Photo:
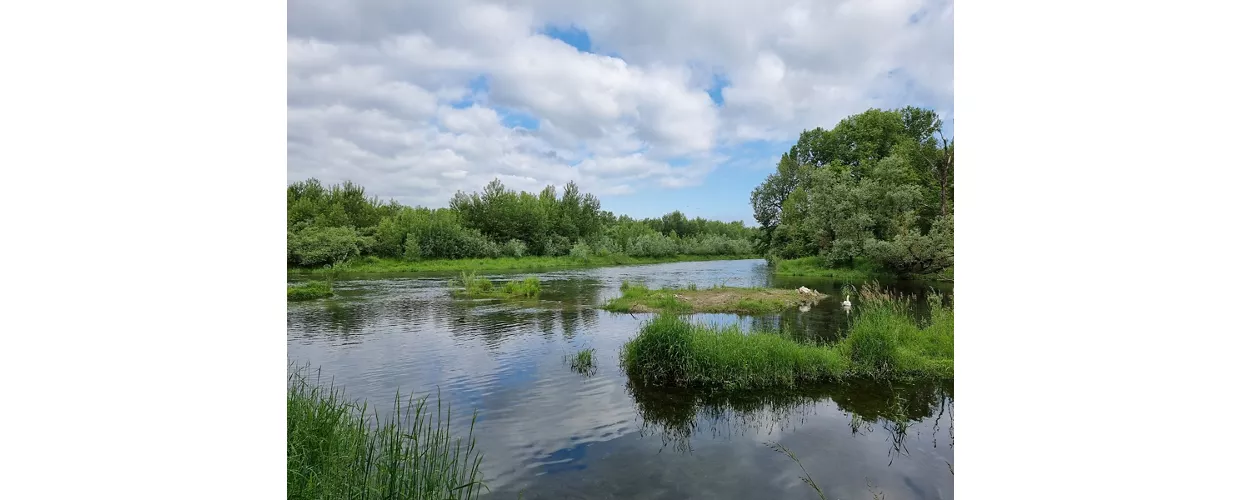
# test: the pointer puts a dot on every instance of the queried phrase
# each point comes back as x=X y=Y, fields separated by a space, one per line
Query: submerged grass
x=471 y=286
x=583 y=361
x=310 y=291
x=335 y=451
x=376 y=265
x=884 y=343
x=638 y=298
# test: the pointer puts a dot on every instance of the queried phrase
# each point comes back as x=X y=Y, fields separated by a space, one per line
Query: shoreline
x=384 y=266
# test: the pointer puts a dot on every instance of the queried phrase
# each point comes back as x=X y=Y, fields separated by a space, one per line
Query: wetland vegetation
x=884 y=343
x=638 y=298
x=337 y=449
x=469 y=285
x=310 y=290
x=868 y=199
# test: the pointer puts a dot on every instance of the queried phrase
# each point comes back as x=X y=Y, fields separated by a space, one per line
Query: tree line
x=329 y=225
x=875 y=191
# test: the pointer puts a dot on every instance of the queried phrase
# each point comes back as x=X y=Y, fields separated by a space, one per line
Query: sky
x=651 y=105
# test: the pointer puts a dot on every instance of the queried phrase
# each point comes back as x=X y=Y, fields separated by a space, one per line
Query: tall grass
x=470 y=285
x=884 y=342
x=310 y=291
x=335 y=451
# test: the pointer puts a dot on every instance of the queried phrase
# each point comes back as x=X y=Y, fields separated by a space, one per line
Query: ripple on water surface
x=548 y=431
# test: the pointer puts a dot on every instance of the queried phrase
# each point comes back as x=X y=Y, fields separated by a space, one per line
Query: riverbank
x=816 y=267
x=637 y=298
x=884 y=343
x=375 y=265
x=339 y=449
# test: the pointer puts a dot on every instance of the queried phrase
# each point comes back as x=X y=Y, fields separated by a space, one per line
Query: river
x=549 y=432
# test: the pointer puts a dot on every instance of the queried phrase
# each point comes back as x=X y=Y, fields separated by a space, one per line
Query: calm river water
x=549 y=432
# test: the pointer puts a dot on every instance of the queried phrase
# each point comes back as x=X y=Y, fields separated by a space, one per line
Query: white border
x=144 y=342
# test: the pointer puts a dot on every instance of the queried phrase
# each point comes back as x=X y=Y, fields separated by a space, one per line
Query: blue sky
x=652 y=106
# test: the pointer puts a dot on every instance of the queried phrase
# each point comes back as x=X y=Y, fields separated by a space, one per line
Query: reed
x=336 y=451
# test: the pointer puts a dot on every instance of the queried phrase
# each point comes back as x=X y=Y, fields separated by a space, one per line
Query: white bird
x=846 y=302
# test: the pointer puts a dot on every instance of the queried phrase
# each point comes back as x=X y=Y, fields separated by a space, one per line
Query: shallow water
x=549 y=432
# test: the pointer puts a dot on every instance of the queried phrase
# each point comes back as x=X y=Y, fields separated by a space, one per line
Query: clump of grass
x=310 y=291
x=583 y=361
x=883 y=343
x=335 y=451
x=471 y=286
x=527 y=288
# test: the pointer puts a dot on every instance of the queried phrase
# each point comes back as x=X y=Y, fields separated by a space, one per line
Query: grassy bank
x=817 y=267
x=335 y=451
x=379 y=265
x=637 y=298
x=310 y=291
x=883 y=343
x=472 y=287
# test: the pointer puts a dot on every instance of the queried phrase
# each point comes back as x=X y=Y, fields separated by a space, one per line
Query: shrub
x=580 y=251
x=318 y=246
x=653 y=245
x=514 y=248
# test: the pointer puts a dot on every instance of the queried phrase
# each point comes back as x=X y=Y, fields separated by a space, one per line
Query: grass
x=883 y=343
x=376 y=265
x=583 y=361
x=335 y=451
x=310 y=291
x=876 y=495
x=638 y=298
x=817 y=267
x=471 y=286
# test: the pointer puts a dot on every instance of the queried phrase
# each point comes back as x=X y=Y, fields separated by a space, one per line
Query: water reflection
x=554 y=433
x=678 y=416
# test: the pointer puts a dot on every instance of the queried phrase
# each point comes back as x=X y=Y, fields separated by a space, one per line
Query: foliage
x=336 y=450
x=310 y=291
x=319 y=246
x=471 y=286
x=580 y=251
x=330 y=225
x=373 y=264
x=877 y=188
x=884 y=343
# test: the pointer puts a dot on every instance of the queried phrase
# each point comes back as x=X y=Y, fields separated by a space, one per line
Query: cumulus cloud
x=418 y=99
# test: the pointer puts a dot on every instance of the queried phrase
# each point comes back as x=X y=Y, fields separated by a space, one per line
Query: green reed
x=336 y=451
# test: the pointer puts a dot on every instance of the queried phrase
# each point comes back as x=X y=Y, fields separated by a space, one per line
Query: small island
x=470 y=286
x=638 y=298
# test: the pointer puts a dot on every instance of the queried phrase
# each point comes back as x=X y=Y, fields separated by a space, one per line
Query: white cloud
x=375 y=86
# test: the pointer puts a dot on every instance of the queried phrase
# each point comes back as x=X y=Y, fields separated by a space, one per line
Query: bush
x=514 y=248
x=653 y=245
x=580 y=251
x=555 y=245
x=318 y=246
x=413 y=252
